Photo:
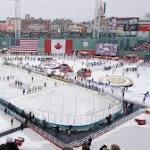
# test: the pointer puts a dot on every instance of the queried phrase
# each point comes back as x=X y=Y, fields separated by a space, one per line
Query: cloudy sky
x=75 y=9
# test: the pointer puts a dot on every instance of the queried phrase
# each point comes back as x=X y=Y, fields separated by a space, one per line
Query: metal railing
x=46 y=135
x=78 y=143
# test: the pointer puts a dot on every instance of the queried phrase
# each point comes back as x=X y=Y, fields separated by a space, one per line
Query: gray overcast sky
x=75 y=9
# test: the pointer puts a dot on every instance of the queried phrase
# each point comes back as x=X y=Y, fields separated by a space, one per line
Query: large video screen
x=106 y=49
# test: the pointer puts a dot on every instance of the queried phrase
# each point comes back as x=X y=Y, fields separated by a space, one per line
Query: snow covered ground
x=5 y=122
x=33 y=141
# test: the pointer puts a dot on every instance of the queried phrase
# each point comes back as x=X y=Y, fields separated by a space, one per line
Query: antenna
x=17 y=18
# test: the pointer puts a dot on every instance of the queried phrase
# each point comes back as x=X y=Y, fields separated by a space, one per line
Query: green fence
x=84 y=44
x=125 y=43
x=41 y=46
x=4 y=42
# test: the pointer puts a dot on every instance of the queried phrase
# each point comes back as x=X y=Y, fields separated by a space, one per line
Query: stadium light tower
x=17 y=18
x=99 y=12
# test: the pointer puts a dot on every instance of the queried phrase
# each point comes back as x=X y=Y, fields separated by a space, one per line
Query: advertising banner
x=106 y=49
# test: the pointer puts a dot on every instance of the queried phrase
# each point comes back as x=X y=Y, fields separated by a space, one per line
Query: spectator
x=114 y=147
x=85 y=146
x=89 y=141
x=22 y=126
x=145 y=46
x=104 y=147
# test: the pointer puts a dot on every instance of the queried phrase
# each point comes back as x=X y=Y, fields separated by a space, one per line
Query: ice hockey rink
x=63 y=103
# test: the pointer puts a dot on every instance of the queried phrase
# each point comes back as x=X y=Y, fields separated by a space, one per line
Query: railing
x=9 y=131
x=46 y=135
x=78 y=143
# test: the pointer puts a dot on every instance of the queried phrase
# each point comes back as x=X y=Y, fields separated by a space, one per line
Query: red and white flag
x=58 y=46
x=25 y=45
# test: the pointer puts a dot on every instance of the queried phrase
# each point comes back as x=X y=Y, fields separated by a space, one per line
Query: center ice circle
x=117 y=81
x=50 y=65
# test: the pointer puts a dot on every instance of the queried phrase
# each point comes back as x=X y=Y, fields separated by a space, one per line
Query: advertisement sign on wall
x=106 y=49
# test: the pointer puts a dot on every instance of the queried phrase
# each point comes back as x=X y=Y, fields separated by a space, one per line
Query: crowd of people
x=144 y=47
x=93 y=64
x=87 y=144
x=32 y=89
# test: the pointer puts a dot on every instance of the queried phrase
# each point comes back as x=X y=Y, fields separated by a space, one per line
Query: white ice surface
x=62 y=104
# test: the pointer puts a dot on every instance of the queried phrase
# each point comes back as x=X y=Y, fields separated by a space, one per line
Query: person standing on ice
x=45 y=84
x=12 y=121
x=23 y=91
x=32 y=79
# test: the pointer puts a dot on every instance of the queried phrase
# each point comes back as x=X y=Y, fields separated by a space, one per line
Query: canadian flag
x=58 y=46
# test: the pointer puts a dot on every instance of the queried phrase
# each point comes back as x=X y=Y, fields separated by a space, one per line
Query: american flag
x=24 y=45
